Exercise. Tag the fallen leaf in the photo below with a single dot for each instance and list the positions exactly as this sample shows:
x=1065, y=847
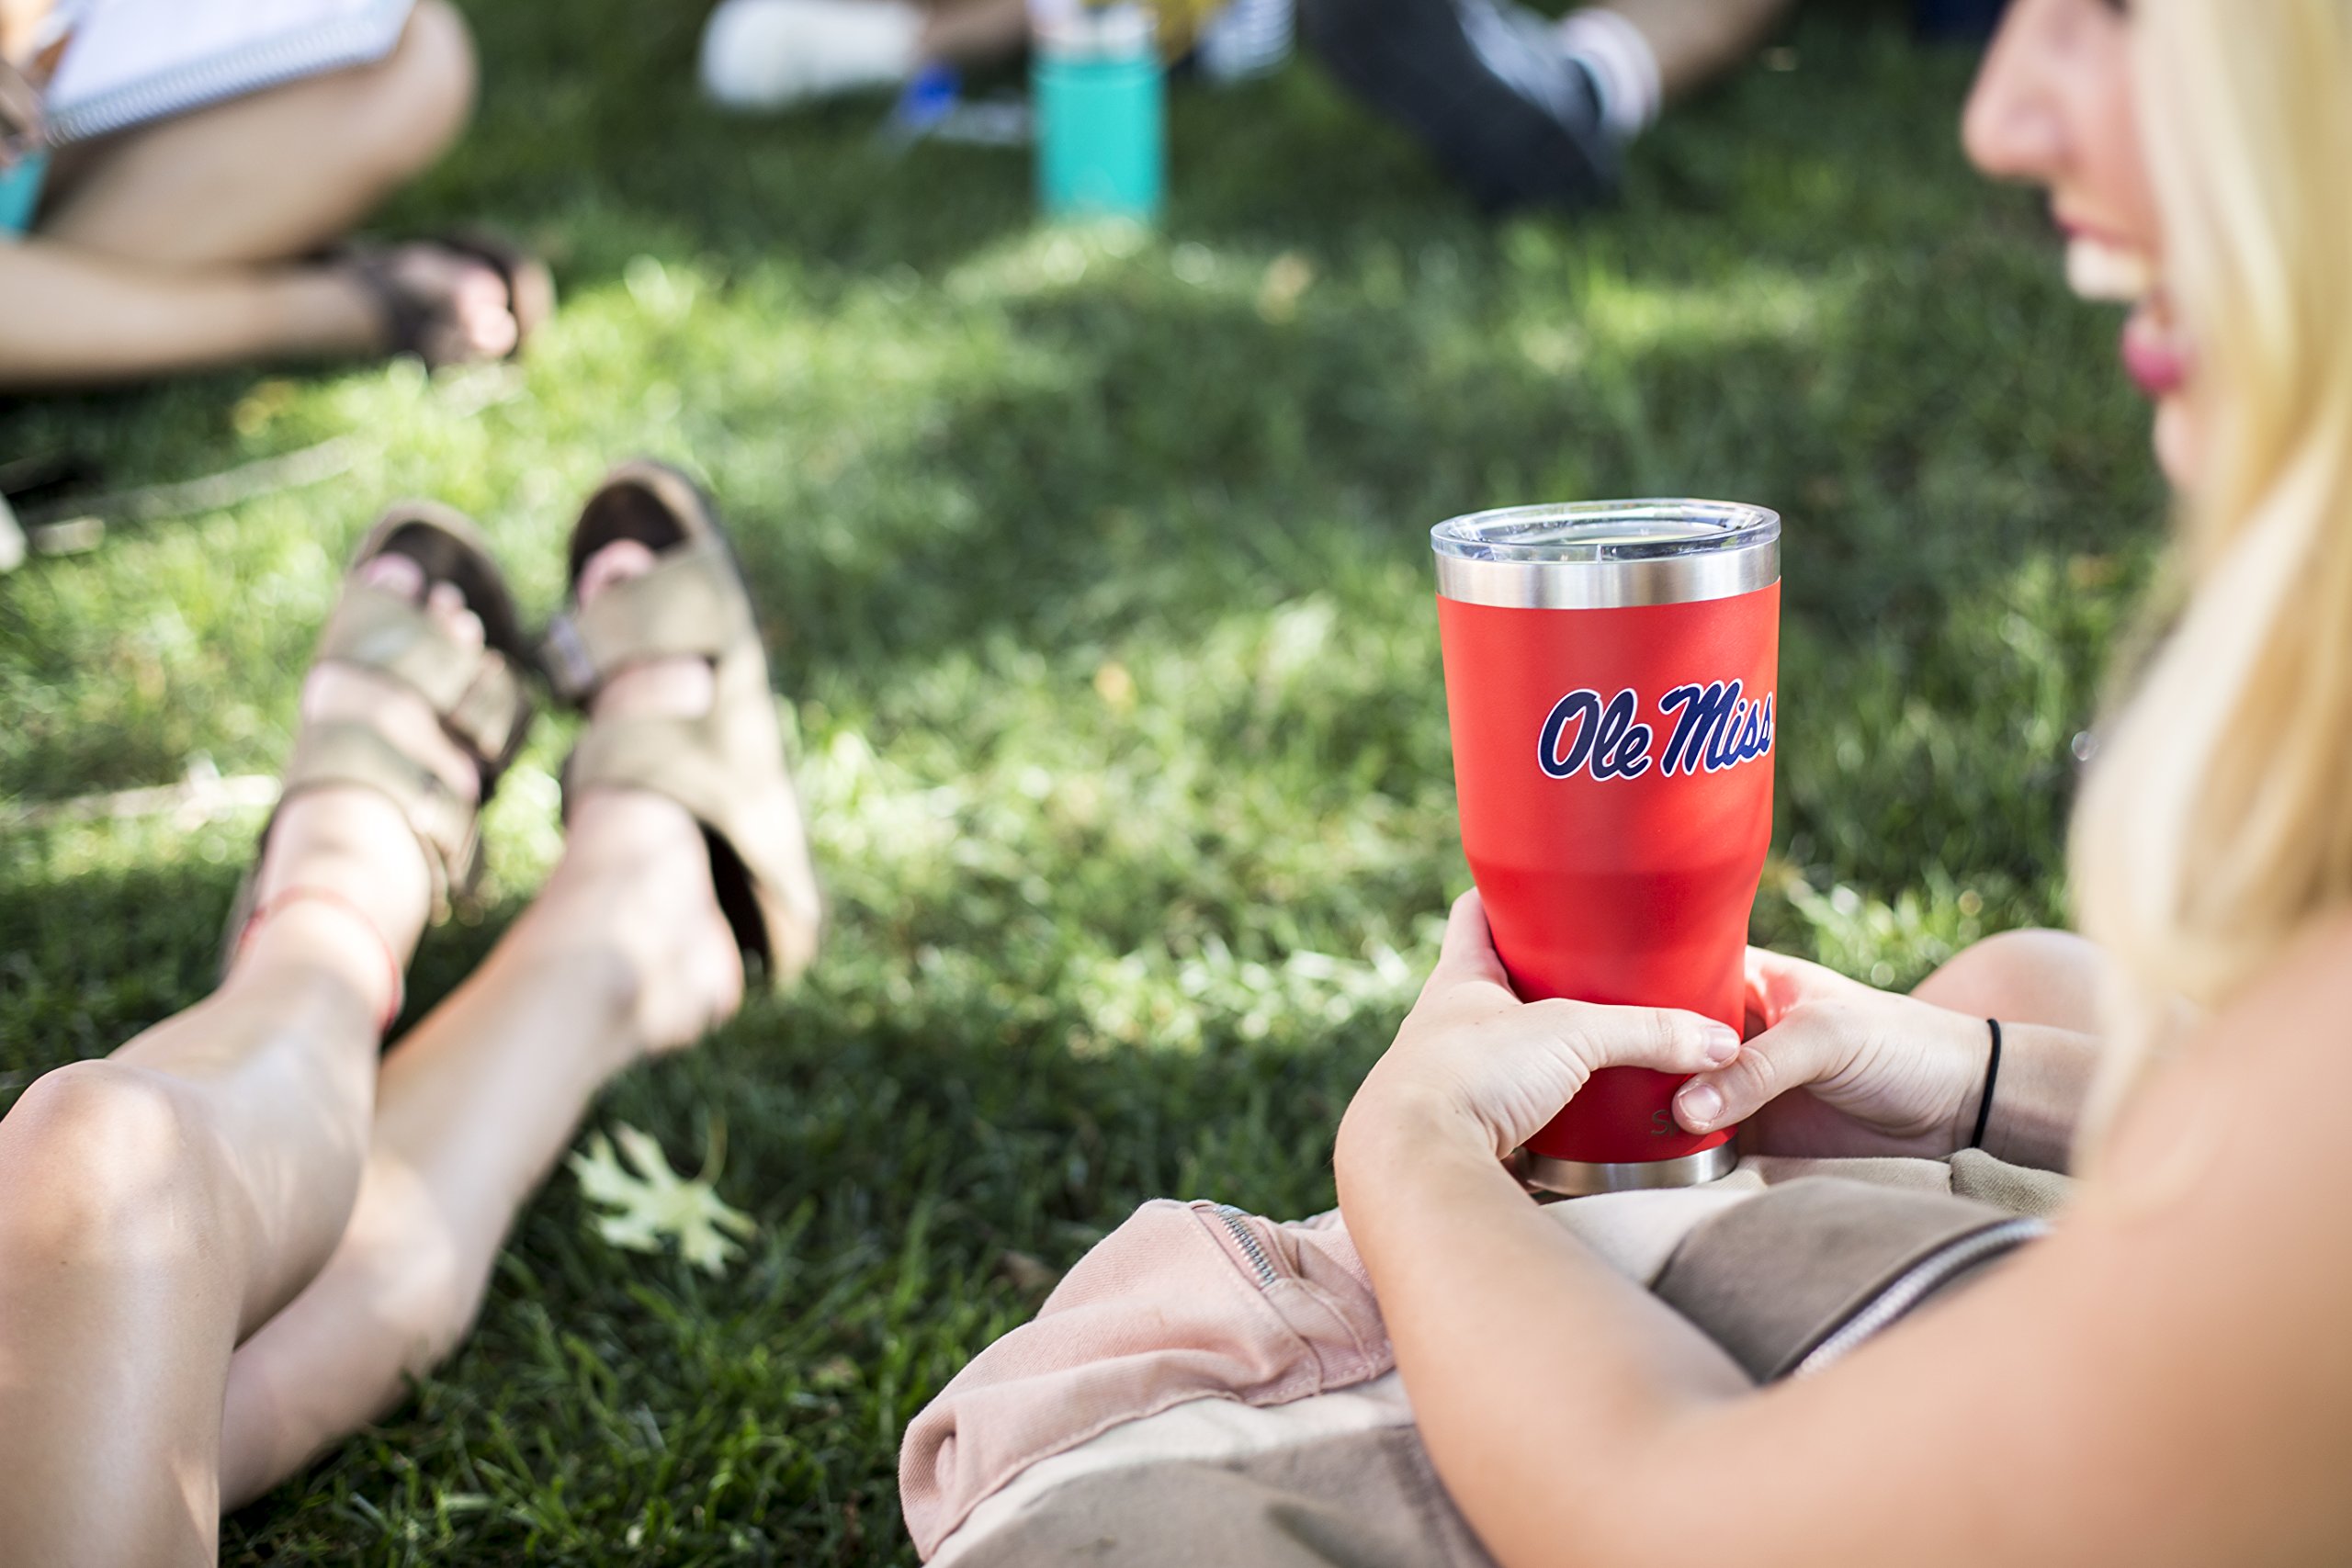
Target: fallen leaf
x=657, y=1203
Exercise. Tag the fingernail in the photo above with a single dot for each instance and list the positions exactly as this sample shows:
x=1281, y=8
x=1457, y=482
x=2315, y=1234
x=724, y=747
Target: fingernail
x=1702, y=1104
x=1723, y=1044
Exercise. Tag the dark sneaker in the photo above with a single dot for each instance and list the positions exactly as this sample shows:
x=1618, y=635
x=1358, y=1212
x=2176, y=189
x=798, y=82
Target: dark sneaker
x=1484, y=87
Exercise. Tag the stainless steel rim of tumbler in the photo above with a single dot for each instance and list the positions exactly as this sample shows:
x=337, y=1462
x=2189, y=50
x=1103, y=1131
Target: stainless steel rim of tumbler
x=1109, y=32
x=1576, y=1179
x=1607, y=554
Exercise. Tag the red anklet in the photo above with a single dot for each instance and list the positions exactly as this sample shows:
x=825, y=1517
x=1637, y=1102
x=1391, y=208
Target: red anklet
x=300, y=894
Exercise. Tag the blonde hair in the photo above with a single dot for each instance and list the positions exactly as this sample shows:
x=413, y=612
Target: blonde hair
x=2216, y=824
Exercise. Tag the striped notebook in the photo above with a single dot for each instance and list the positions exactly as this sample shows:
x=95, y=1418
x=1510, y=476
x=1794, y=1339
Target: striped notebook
x=135, y=60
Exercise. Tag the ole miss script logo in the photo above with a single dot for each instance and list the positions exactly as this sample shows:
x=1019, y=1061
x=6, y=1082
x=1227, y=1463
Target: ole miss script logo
x=1714, y=727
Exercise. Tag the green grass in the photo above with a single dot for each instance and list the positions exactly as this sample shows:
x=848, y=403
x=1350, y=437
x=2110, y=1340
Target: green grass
x=1099, y=572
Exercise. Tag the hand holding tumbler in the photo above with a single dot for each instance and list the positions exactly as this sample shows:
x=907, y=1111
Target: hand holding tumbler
x=1610, y=677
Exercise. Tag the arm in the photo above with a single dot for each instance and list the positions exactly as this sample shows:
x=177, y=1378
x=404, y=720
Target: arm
x=2161, y=1382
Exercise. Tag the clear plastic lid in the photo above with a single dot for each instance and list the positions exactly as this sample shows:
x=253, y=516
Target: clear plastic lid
x=1075, y=28
x=1599, y=554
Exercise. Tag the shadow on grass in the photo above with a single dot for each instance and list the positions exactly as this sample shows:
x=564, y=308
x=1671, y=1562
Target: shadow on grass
x=91, y=955
x=1260, y=461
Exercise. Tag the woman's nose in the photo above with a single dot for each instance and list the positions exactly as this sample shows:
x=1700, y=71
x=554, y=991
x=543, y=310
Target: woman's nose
x=2013, y=128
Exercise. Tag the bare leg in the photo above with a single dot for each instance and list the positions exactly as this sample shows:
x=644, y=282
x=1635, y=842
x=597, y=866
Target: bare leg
x=2024, y=976
x=166, y=251
x=623, y=951
x=1698, y=41
x=277, y=175
x=163, y=1202
x=77, y=320
x=976, y=32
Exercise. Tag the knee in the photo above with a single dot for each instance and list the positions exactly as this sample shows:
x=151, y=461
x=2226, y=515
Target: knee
x=2027, y=976
x=419, y=97
x=102, y=1161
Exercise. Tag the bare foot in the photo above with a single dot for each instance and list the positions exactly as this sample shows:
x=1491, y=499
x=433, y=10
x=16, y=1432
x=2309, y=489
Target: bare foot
x=635, y=878
x=352, y=844
x=470, y=316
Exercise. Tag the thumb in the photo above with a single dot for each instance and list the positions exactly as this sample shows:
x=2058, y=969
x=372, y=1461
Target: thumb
x=1665, y=1040
x=1468, y=953
x=1803, y=1049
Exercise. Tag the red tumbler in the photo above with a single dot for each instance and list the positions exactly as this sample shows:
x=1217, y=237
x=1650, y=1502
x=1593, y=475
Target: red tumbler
x=1610, y=675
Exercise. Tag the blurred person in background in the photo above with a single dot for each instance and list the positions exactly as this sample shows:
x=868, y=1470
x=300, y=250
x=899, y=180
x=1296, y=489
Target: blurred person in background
x=780, y=54
x=2161, y=1377
x=777, y=54
x=217, y=237
x=1520, y=108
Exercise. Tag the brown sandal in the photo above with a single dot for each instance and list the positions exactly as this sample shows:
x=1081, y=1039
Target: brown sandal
x=726, y=765
x=409, y=318
x=478, y=694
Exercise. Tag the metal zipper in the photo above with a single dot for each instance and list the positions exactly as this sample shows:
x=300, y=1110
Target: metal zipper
x=1915, y=1285
x=1237, y=1222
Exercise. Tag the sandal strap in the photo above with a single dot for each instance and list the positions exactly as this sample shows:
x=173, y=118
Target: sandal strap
x=474, y=690
x=530, y=286
x=669, y=756
x=406, y=318
x=690, y=604
x=409, y=318
x=701, y=764
x=722, y=765
x=489, y=717
x=332, y=752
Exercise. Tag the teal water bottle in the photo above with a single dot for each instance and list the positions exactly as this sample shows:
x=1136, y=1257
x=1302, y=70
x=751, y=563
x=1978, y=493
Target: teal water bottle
x=1100, y=97
x=20, y=185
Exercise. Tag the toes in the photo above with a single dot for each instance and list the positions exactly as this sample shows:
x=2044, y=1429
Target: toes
x=395, y=574
x=473, y=316
x=485, y=315
x=680, y=686
x=445, y=602
x=447, y=606
x=615, y=563
x=478, y=291
x=495, y=334
x=334, y=690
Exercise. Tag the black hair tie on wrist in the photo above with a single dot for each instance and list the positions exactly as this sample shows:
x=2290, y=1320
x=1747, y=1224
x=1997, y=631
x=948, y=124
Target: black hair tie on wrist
x=1992, y=1074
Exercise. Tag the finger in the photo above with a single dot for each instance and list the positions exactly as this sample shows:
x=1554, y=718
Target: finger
x=1468, y=953
x=1665, y=1039
x=1800, y=1050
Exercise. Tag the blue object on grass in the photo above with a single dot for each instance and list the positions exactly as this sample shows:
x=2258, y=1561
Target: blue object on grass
x=20, y=193
x=930, y=98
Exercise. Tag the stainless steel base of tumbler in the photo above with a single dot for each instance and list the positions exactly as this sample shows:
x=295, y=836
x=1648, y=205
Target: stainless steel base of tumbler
x=1575, y=1178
